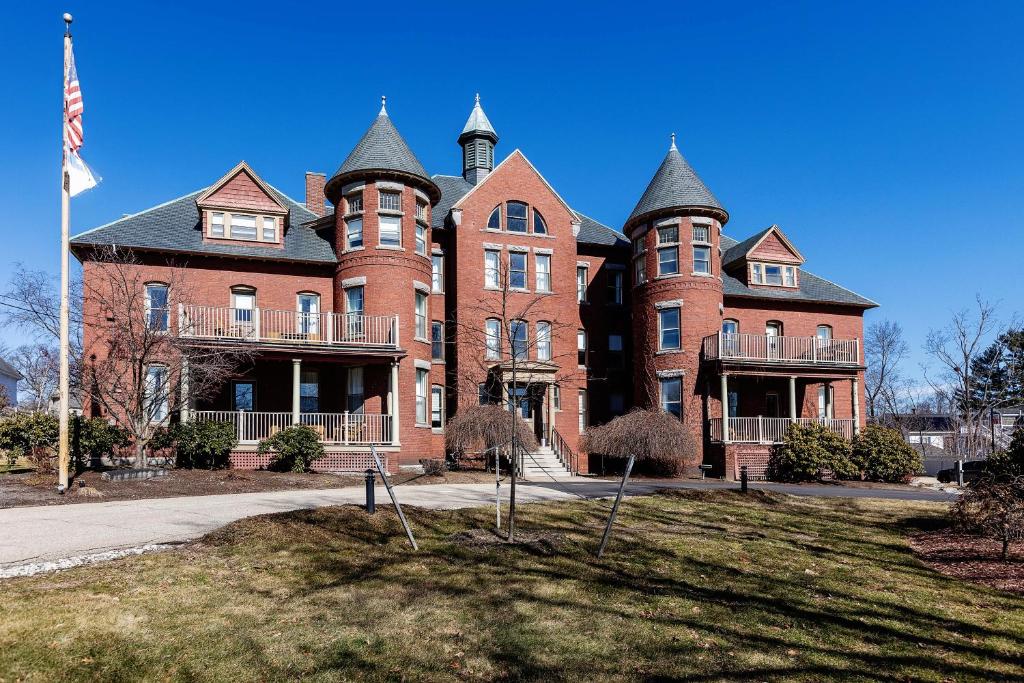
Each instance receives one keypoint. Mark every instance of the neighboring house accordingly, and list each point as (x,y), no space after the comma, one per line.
(9,378)
(74,403)
(358,308)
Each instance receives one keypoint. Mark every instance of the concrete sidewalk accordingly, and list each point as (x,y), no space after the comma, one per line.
(37,534)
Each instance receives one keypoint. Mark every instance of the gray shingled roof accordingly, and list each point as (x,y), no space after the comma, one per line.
(674,184)
(9,370)
(174,226)
(478,123)
(382,148)
(739,250)
(812,287)
(592,232)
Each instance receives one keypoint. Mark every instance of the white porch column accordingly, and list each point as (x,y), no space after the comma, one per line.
(855,390)
(829,413)
(186,395)
(296,380)
(393,405)
(792,399)
(725,408)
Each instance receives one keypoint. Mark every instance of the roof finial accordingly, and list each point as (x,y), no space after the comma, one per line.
(383,105)
(673,147)
(478,99)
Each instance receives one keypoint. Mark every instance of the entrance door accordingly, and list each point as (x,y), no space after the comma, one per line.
(537,403)
(773,330)
(771,405)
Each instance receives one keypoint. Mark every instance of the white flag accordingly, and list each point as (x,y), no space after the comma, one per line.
(80,177)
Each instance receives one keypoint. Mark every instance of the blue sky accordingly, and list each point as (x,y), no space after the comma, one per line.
(883,138)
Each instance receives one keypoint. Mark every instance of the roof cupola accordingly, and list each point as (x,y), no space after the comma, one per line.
(477,140)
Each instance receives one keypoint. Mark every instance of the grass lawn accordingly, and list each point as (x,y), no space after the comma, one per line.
(694,586)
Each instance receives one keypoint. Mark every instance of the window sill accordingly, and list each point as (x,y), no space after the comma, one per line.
(389,212)
(668,276)
(421,339)
(437,291)
(420,425)
(437,430)
(666,352)
(390,247)
(702,274)
(521,290)
(492,288)
(354,214)
(351,249)
(434,361)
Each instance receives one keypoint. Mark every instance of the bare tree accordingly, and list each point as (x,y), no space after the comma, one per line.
(490,358)
(31,303)
(884,351)
(955,348)
(141,368)
(38,365)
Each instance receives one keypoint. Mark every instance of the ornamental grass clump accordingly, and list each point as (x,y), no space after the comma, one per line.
(810,453)
(882,454)
(294,448)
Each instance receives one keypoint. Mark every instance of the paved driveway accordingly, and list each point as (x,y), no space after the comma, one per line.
(37,534)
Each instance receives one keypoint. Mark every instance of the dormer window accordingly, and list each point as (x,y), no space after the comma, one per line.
(269,229)
(244,227)
(772,274)
(216,224)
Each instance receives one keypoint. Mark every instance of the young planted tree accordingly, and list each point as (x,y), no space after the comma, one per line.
(142,365)
(993,507)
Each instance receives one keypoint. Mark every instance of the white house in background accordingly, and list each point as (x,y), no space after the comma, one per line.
(9,378)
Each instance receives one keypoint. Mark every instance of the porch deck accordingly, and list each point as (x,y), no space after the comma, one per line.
(772,430)
(760,348)
(336,429)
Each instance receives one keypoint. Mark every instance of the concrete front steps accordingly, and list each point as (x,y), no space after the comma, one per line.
(543,465)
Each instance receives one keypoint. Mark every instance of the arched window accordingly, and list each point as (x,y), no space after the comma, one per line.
(539,226)
(730,326)
(158,311)
(243,303)
(515,217)
(773,328)
(494,222)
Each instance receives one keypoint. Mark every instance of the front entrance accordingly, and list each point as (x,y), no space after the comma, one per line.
(531,402)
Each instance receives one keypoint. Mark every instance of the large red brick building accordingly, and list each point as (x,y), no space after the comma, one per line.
(376,315)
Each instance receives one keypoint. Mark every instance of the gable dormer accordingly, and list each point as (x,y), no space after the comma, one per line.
(241,208)
(768,259)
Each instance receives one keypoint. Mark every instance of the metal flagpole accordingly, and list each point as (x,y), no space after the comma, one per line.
(63,450)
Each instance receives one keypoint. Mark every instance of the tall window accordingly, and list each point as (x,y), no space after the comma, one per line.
(824,401)
(391,201)
(421,211)
(671,396)
(156,392)
(616,404)
(437,340)
(243,303)
(421,239)
(668,250)
(309,391)
(639,261)
(581,284)
(354,327)
(308,317)
(494,220)
(701,259)
(354,390)
(491,269)
(584,409)
(517,269)
(615,355)
(518,331)
(543,272)
(243,396)
(437,273)
(515,217)
(436,406)
(158,311)
(581,348)
(353,233)
(390,231)
(421,315)
(543,341)
(615,286)
(668,328)
(422,380)
(539,226)
(492,333)
(355,203)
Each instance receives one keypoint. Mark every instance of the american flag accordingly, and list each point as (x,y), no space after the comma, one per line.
(72,104)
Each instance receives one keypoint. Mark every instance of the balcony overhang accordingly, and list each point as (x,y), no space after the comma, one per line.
(781,369)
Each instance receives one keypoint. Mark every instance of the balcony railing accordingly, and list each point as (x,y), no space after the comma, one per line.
(347,429)
(760,348)
(772,429)
(287,327)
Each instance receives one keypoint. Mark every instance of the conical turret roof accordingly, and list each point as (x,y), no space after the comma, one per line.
(478,124)
(675,184)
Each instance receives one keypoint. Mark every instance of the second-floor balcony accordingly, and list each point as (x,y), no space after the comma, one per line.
(760,348)
(280,327)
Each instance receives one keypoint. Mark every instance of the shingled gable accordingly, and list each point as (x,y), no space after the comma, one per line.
(771,245)
(241,188)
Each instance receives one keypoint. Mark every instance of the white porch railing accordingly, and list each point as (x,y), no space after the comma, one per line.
(772,429)
(764,348)
(287,327)
(348,429)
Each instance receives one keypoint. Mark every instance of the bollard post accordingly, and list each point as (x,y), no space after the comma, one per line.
(959,472)
(743,478)
(370,481)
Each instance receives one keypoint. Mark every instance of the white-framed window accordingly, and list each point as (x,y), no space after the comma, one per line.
(672,396)
(421,239)
(243,226)
(668,329)
(437,340)
(436,406)
(515,216)
(354,300)
(668,250)
(615,286)
(755,274)
(519,336)
(243,305)
(824,333)
(422,381)
(494,220)
(701,233)
(158,310)
(790,275)
(517,270)
(390,201)
(492,334)
(353,233)
(639,261)
(773,274)
(421,211)
(437,273)
(421,315)
(307,306)
(157,392)
(584,409)
(354,392)
(543,340)
(581,348)
(355,202)
(824,401)
(581,284)
(543,272)
(269,229)
(701,259)
(309,391)
(217,224)
(616,358)
(556,397)
(492,269)
(539,226)
(730,326)
(390,231)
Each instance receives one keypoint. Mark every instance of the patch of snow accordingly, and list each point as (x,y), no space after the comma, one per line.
(69,562)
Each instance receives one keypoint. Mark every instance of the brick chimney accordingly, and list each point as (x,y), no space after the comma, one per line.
(315,192)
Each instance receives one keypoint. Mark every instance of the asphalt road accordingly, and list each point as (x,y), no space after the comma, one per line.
(54,532)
